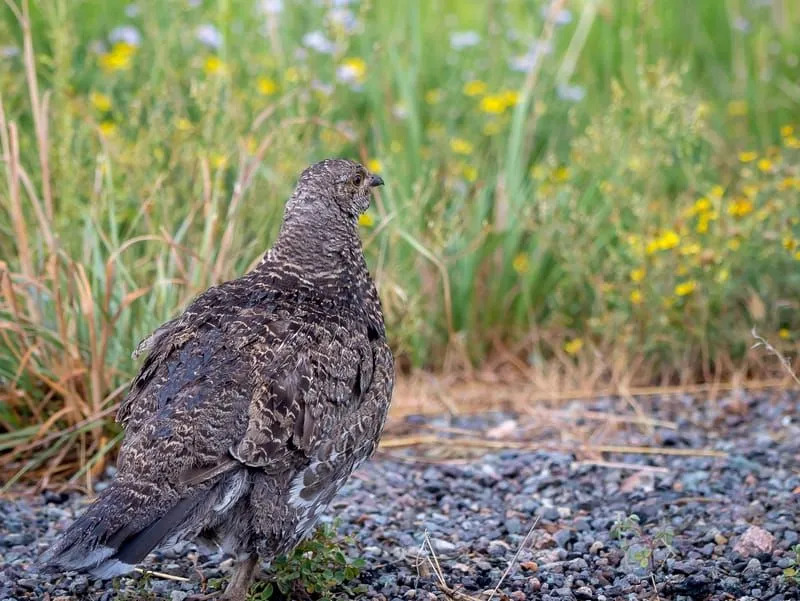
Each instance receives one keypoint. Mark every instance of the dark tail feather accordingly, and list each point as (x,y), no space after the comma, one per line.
(135,548)
(115,533)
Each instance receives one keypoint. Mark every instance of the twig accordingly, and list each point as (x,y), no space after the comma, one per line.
(627,466)
(411,441)
(772,350)
(513,561)
(161,575)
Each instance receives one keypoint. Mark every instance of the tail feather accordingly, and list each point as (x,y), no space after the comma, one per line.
(117,532)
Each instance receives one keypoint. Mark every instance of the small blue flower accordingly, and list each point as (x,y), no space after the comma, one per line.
(208,35)
(127,34)
(464,39)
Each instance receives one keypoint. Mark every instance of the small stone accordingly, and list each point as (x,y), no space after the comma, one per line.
(178,596)
(498,548)
(442,546)
(563,537)
(584,592)
(755,540)
(753,568)
(596,547)
(578,564)
(720,539)
(513,526)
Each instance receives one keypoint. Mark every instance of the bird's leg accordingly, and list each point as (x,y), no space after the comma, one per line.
(240,582)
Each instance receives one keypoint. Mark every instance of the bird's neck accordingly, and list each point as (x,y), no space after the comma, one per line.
(332,250)
(331,262)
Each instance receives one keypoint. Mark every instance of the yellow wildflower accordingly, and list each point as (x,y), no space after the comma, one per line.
(765,165)
(434,96)
(717,191)
(119,58)
(701,205)
(366,220)
(789,182)
(494,104)
(218,161)
(574,346)
(538,172)
(734,244)
(793,142)
(461,146)
(521,263)
(470,173)
(213,65)
(740,207)
(637,275)
(789,243)
(474,88)
(108,128)
(737,108)
(748,156)
(561,174)
(184,124)
(668,239)
(510,97)
(784,333)
(100,101)
(636,297)
(797,255)
(685,288)
(267,86)
(356,68)
(374,165)
(723,275)
(787,130)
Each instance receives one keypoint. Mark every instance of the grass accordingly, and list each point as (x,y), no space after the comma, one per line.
(611,195)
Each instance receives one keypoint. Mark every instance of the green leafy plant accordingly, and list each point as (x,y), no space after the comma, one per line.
(316,568)
(640,547)
(792,573)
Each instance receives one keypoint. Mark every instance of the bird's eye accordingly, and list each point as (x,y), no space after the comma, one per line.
(358,179)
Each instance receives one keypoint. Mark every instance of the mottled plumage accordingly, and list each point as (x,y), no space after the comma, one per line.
(254,406)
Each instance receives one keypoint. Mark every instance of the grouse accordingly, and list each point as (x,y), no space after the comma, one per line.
(256,404)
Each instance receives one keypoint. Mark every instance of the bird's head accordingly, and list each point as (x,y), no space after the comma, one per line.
(335,187)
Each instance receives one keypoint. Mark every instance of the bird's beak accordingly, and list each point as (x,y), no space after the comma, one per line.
(375,180)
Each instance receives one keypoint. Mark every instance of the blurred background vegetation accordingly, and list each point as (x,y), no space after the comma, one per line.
(576,187)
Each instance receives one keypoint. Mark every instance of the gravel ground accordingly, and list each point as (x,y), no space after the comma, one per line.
(708,528)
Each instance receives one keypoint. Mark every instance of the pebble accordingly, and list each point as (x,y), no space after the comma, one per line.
(734,544)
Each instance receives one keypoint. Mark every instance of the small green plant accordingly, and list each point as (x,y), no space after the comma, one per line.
(315,568)
(640,547)
(792,573)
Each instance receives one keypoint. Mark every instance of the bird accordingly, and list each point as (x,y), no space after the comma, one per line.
(252,407)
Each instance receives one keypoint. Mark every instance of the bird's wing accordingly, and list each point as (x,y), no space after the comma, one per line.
(316,382)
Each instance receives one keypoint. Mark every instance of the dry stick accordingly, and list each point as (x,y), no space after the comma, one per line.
(161,575)
(627,466)
(771,349)
(437,570)
(411,441)
(514,559)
